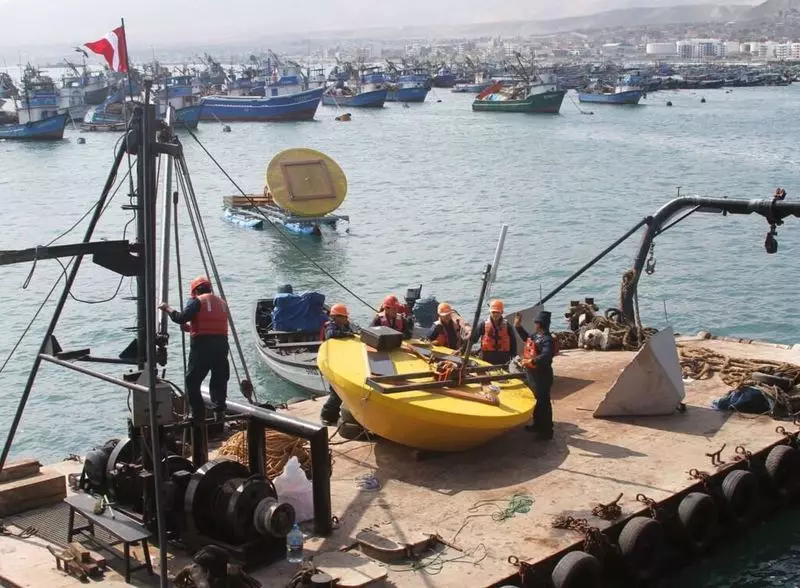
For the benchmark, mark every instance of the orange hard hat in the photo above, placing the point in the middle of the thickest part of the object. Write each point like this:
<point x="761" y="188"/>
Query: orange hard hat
<point x="199" y="281"/>
<point x="496" y="306"/>
<point x="339" y="309"/>
<point x="391" y="301"/>
<point x="444" y="309"/>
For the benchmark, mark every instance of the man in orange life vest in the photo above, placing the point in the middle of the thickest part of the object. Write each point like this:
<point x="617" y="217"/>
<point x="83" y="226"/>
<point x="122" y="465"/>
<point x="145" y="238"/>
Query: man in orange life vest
<point x="537" y="359"/>
<point x="389" y="316"/>
<point x="498" y="343"/>
<point x="207" y="315"/>
<point x="337" y="328"/>
<point x="446" y="332"/>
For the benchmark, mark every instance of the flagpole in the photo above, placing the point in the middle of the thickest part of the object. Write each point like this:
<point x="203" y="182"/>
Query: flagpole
<point x="127" y="62"/>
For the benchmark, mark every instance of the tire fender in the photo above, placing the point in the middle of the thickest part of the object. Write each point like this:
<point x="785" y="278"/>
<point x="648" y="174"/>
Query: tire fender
<point x="741" y="493"/>
<point x="698" y="515"/>
<point x="577" y="569"/>
<point x="640" y="543"/>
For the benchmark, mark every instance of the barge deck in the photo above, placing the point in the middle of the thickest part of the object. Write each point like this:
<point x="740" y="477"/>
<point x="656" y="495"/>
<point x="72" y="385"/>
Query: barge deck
<point x="454" y="497"/>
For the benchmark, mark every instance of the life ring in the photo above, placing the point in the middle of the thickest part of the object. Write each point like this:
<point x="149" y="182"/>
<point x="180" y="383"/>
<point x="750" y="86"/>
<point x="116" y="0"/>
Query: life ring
<point x="698" y="515"/>
<point x="783" y="466"/>
<point x="577" y="569"/>
<point x="740" y="491"/>
<point x="640" y="543"/>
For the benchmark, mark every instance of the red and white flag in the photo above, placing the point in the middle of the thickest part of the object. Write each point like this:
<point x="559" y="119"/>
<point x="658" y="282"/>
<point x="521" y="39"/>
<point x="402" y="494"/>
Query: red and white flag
<point x="114" y="48"/>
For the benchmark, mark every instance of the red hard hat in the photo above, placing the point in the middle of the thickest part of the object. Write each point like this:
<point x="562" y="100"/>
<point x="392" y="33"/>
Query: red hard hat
<point x="339" y="309"/>
<point x="199" y="281"/>
<point x="496" y="306"/>
<point x="390" y="301"/>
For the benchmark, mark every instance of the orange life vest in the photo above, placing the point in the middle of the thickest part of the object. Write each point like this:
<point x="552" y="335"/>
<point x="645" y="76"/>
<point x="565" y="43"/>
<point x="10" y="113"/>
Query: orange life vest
<point x="442" y="340"/>
<point x="397" y="323"/>
<point x="212" y="319"/>
<point x="531" y="351"/>
<point x="495" y="339"/>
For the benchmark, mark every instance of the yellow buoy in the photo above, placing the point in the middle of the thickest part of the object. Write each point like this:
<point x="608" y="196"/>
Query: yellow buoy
<point x="306" y="182"/>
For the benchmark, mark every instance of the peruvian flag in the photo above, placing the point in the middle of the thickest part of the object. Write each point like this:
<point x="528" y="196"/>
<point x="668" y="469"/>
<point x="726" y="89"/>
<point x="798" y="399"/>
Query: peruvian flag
<point x="114" y="48"/>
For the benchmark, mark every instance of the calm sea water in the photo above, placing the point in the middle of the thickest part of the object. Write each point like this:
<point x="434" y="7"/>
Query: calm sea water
<point x="429" y="187"/>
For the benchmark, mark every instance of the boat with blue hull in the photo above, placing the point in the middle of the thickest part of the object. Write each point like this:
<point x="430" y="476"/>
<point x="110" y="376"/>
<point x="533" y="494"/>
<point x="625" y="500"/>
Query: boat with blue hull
<point x="183" y="94"/>
<point x="48" y="129"/>
<point x="367" y="91"/>
<point x="292" y="107"/>
<point x="409" y="87"/>
<point x="626" y="91"/>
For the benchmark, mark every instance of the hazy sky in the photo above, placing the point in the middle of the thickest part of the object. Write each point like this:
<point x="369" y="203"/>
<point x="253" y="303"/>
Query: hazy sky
<point x="170" y="22"/>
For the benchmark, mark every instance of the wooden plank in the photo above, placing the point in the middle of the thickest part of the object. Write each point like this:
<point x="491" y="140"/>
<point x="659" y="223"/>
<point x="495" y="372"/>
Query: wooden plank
<point x="97" y="559"/>
<point x="21" y="468"/>
<point x="47" y="487"/>
<point x="250" y="200"/>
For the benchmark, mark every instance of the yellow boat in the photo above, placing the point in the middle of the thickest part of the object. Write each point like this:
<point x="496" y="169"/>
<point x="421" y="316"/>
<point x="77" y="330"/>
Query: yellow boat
<point x="395" y="394"/>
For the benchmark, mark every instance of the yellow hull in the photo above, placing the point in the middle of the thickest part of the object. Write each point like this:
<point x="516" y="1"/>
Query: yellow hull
<point x="421" y="419"/>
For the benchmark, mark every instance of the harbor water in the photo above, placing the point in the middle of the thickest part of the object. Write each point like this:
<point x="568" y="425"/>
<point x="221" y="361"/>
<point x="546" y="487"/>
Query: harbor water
<point x="429" y="188"/>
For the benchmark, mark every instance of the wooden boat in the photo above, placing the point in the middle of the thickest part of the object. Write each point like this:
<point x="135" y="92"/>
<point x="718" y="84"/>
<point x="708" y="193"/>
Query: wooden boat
<point x="396" y="395"/>
<point x="290" y="354"/>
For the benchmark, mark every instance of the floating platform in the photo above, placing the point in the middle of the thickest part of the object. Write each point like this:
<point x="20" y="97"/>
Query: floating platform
<point x="442" y="513"/>
<point x="249" y="211"/>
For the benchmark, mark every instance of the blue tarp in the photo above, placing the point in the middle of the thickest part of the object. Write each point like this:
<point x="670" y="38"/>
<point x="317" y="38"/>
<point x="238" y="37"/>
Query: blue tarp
<point x="299" y="312"/>
<point x="746" y="399"/>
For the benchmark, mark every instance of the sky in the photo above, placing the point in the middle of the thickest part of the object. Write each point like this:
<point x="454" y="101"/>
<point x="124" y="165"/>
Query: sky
<point x="173" y="22"/>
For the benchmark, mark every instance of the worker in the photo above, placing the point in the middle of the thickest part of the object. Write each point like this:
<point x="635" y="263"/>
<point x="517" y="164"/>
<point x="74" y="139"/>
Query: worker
<point x="537" y="359"/>
<point x="207" y="318"/>
<point x="446" y="332"/>
<point x="498" y="343"/>
<point x="337" y="328"/>
<point x="390" y="316"/>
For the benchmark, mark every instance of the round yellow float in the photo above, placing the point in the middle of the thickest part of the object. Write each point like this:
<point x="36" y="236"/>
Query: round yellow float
<point x="306" y="182"/>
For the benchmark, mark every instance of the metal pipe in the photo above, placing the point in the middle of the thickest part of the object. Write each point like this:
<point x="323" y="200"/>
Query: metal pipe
<point x="484" y="285"/>
<point x="317" y="436"/>
<point x="99" y="375"/>
<point x="98" y="211"/>
<point x="166" y="223"/>
<point x="147" y="194"/>
<point x="769" y="208"/>
<point x="256" y="450"/>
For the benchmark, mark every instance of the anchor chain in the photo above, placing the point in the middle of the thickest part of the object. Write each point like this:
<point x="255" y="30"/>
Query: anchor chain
<point x="610" y="511"/>
<point x="650" y="266"/>
<point x="527" y="574"/>
<point x="696" y="474"/>
<point x="594" y="541"/>
<point x="742" y="455"/>
<point x="651" y="505"/>
<point x="791" y="437"/>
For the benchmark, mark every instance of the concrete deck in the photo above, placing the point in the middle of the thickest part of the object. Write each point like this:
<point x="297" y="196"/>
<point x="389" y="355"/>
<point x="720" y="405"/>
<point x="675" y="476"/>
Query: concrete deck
<point x="590" y="461"/>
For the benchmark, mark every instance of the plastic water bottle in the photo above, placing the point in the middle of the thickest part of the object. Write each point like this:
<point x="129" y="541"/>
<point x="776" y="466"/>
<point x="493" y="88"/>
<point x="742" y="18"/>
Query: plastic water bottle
<point x="294" y="545"/>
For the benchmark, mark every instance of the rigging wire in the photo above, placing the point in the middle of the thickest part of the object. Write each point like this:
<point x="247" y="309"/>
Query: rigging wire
<point x="278" y="231"/>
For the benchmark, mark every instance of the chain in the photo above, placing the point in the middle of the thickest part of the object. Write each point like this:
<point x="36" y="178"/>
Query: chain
<point x="650" y="267"/>
<point x="791" y="437"/>
<point x="594" y="541"/>
<point x="696" y="474"/>
<point x="651" y="505"/>
<point x="742" y="455"/>
<point x="716" y="457"/>
<point x="611" y="511"/>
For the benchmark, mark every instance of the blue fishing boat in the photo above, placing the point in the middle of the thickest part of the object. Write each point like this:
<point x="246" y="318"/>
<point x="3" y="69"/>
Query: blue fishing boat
<point x="367" y="90"/>
<point x="478" y="85"/>
<point x="38" y="118"/>
<point x="444" y="78"/>
<point x="409" y="87"/>
<point x="111" y="115"/>
<point x="624" y="92"/>
<point x="47" y="129"/>
<point x="183" y="94"/>
<point x="287" y="98"/>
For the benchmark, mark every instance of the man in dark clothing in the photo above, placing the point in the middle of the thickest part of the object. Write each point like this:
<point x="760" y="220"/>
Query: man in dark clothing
<point x="537" y="359"/>
<point x="338" y="328"/>
<point x="207" y="318"/>
<point x="498" y="343"/>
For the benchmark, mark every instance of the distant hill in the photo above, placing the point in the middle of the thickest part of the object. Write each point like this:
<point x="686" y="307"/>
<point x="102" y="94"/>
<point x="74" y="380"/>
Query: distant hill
<point x="771" y="9"/>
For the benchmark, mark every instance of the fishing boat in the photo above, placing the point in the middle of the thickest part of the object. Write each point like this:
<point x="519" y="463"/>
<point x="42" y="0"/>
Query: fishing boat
<point x="110" y="116"/>
<point x="624" y="92"/>
<point x="287" y="336"/>
<point x="37" y="111"/>
<point x="444" y="78"/>
<point x="478" y="85"/>
<point x="539" y="95"/>
<point x="411" y="86"/>
<point x="287" y="98"/>
<point x="183" y="94"/>
<point x="369" y="90"/>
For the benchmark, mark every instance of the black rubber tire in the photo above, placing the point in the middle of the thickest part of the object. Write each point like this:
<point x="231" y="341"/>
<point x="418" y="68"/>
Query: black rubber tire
<point x="698" y="515"/>
<point x="577" y="569"/>
<point x="770" y="380"/>
<point x="741" y="493"/>
<point x="783" y="468"/>
<point x="640" y="543"/>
